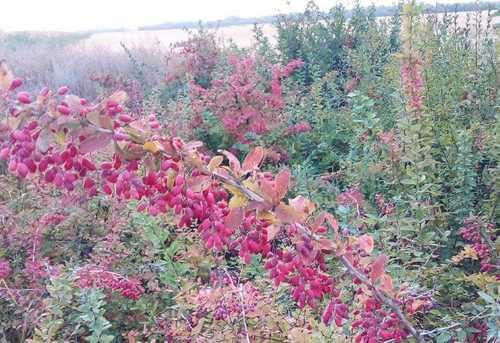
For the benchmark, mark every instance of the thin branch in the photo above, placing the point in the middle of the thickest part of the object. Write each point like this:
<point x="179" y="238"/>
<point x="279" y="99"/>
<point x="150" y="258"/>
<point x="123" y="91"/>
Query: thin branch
<point x="248" y="193"/>
<point x="242" y="299"/>
<point x="383" y="297"/>
<point x="437" y="330"/>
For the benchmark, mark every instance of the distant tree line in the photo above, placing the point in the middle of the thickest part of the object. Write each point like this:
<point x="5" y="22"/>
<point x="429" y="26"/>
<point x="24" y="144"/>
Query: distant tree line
<point x="380" y="11"/>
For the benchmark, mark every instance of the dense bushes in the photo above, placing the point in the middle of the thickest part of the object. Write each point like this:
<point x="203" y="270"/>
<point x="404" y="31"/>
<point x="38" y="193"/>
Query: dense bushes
<point x="364" y="208"/>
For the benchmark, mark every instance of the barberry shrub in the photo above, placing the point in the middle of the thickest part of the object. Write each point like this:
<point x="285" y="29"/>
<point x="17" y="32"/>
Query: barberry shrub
<point x="55" y="140"/>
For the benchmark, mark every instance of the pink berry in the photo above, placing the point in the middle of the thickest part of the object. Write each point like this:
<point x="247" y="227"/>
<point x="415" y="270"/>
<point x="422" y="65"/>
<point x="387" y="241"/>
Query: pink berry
<point x="4" y="154"/>
<point x="16" y="83"/>
<point x="22" y="170"/>
<point x="44" y="91"/>
<point x="24" y="98"/>
<point x="125" y="118"/>
<point x="64" y="110"/>
<point x="63" y="90"/>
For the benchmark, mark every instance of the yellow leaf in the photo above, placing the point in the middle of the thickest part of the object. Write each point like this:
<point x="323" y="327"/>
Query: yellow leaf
<point x="238" y="200"/>
<point x="136" y="135"/>
<point x="215" y="162"/>
<point x="171" y="174"/>
<point x="482" y="280"/>
<point x="15" y="122"/>
<point x="251" y="186"/>
<point x="233" y="190"/>
<point x="267" y="215"/>
<point x="194" y="159"/>
<point x="119" y="96"/>
<point x="467" y="252"/>
<point x="60" y="137"/>
<point x="6" y="77"/>
<point x="288" y="214"/>
<point x="152" y="146"/>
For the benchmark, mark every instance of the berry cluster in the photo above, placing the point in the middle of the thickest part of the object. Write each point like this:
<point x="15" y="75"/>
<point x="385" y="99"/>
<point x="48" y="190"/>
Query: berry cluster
<point x="298" y="128"/>
<point x="377" y="325"/>
<point x="91" y="276"/>
<point x="253" y="238"/>
<point x="471" y="232"/>
<point x="335" y="311"/>
<point x="307" y="278"/>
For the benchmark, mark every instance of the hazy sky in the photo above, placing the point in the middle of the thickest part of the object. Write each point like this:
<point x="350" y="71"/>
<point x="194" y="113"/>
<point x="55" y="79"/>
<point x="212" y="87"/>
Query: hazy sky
<point x="75" y="15"/>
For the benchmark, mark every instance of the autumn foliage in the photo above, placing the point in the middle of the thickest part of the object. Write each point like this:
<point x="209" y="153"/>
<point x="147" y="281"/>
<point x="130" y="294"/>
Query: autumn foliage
<point x="113" y="229"/>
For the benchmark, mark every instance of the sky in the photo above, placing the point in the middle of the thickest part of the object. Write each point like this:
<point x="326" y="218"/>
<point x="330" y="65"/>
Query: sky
<point x="81" y="15"/>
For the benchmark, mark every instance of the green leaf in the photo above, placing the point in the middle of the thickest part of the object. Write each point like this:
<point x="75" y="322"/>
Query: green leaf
<point x="444" y="337"/>
<point x="486" y="297"/>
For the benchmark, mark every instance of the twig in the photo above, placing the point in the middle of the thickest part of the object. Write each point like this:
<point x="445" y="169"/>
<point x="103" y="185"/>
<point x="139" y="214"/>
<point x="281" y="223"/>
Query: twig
<point x="437" y="330"/>
<point x="242" y="299"/>
<point x="383" y="298"/>
<point x="248" y="193"/>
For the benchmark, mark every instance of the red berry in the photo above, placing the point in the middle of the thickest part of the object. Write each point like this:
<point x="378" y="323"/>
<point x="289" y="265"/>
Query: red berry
<point x="16" y="83"/>
<point x="22" y="170"/>
<point x="44" y="91"/>
<point x="125" y="118"/>
<point x="64" y="110"/>
<point x="24" y="97"/>
<point x="63" y="90"/>
<point x="4" y="154"/>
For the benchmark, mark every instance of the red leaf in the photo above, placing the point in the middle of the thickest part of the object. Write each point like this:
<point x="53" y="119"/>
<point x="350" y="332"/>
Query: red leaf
<point x="378" y="267"/>
<point x="199" y="183"/>
<point x="253" y="159"/>
<point x="267" y="190"/>
<point x="326" y="245"/>
<point x="272" y="231"/>
<point x="386" y="283"/>
<point x="366" y="243"/>
<point x="234" y="218"/>
<point x="234" y="164"/>
<point x="282" y="183"/>
<point x="302" y="204"/>
<point x="288" y="215"/>
<point x="95" y="142"/>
